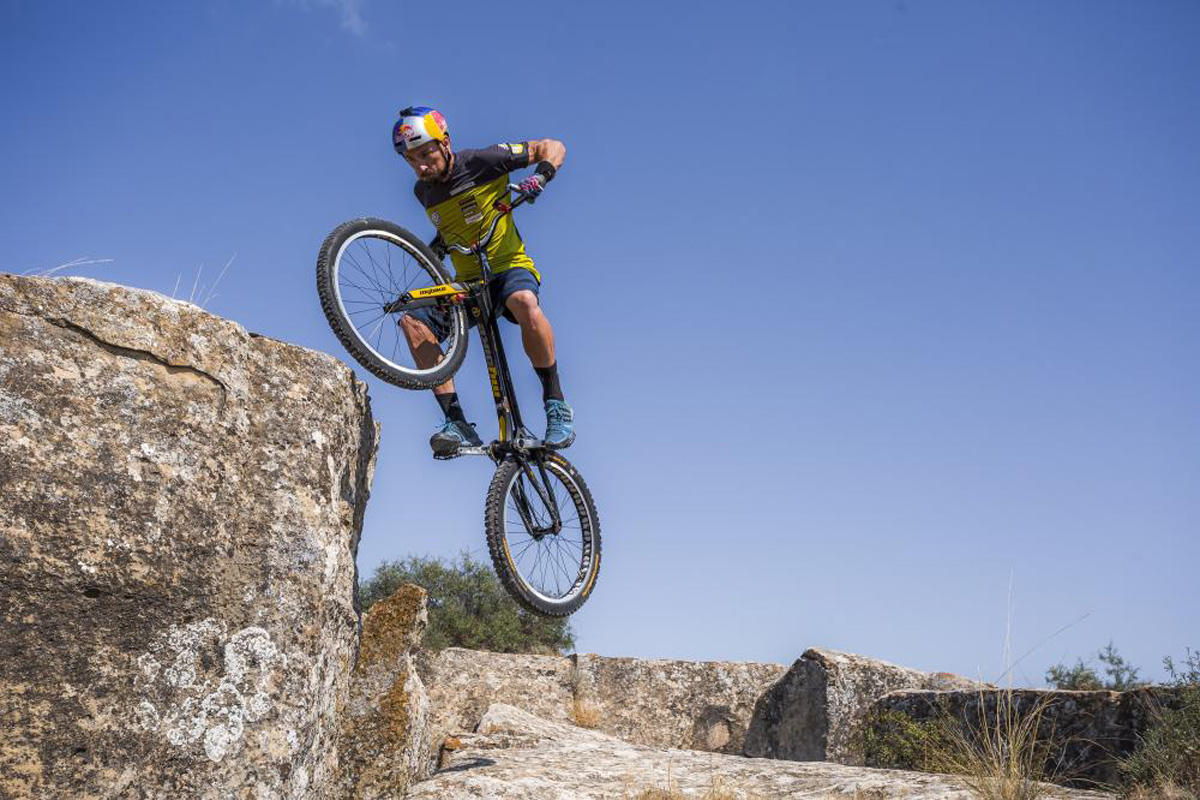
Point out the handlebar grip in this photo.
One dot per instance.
(521, 196)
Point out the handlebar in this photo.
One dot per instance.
(504, 209)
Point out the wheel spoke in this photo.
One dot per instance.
(370, 270)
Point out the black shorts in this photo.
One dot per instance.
(502, 286)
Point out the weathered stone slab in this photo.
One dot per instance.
(1084, 733)
(180, 506)
(386, 742)
(696, 705)
(815, 711)
(662, 703)
(516, 756)
(463, 683)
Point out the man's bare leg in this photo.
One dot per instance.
(537, 336)
(427, 353)
(424, 348)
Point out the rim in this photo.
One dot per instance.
(371, 269)
(553, 567)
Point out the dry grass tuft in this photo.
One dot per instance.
(718, 791)
(1001, 755)
(673, 793)
(586, 714)
(1166, 791)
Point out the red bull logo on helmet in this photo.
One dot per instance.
(439, 121)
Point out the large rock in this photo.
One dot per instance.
(180, 506)
(517, 756)
(815, 711)
(661, 703)
(463, 683)
(386, 742)
(1082, 735)
(697, 705)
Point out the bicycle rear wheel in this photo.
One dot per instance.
(364, 265)
(548, 569)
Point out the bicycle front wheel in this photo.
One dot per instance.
(543, 534)
(365, 265)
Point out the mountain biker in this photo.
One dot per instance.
(458, 189)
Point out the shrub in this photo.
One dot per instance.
(1166, 762)
(468, 607)
(895, 740)
(1122, 675)
(997, 750)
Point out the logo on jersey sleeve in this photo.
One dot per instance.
(437, 218)
(516, 148)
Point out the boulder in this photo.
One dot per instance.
(517, 756)
(815, 711)
(695, 705)
(1083, 734)
(463, 683)
(386, 740)
(661, 703)
(180, 507)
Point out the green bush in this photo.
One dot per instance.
(894, 740)
(468, 607)
(1167, 760)
(1122, 675)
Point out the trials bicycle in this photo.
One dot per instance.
(542, 529)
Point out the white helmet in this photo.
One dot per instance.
(418, 125)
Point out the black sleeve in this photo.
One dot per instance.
(501, 159)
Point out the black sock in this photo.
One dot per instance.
(549, 377)
(450, 406)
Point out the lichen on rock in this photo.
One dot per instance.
(180, 506)
(386, 742)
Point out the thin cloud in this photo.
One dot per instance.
(350, 12)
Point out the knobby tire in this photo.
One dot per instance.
(506, 563)
(348, 333)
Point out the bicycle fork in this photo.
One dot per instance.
(520, 443)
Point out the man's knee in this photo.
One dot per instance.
(415, 330)
(522, 303)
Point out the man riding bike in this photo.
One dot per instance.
(458, 190)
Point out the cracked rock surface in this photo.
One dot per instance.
(180, 505)
(386, 741)
(815, 711)
(517, 756)
(698, 705)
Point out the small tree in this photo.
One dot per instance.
(1121, 674)
(1080, 677)
(1166, 763)
(468, 607)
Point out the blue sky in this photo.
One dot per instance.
(868, 310)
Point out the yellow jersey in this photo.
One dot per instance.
(462, 208)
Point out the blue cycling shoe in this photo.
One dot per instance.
(560, 425)
(453, 435)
